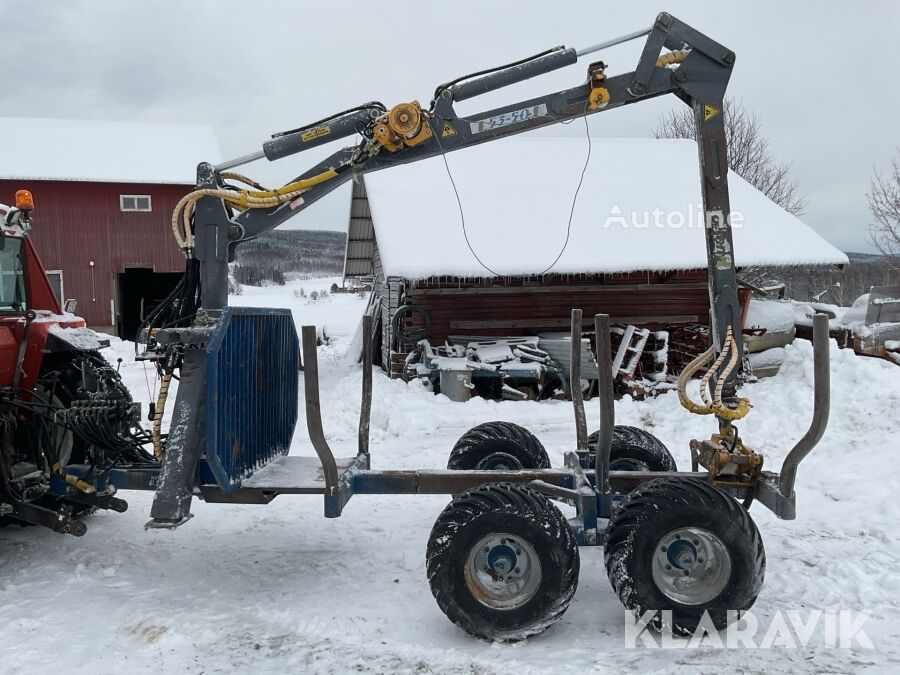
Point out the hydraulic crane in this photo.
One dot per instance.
(211, 222)
(502, 559)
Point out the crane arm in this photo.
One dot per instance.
(218, 216)
(676, 59)
(408, 133)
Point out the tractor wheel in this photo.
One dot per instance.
(634, 449)
(498, 446)
(502, 562)
(70, 448)
(683, 545)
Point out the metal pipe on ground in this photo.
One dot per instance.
(821, 406)
(314, 410)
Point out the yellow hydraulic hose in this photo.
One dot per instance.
(669, 58)
(158, 416)
(715, 407)
(239, 199)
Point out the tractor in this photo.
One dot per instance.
(61, 402)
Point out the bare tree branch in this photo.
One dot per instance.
(748, 153)
(884, 204)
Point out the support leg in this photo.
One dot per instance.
(187, 435)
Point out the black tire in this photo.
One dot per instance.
(498, 446)
(508, 515)
(63, 395)
(674, 511)
(634, 449)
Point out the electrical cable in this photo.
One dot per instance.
(587, 160)
(565, 245)
(462, 215)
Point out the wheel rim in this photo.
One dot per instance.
(61, 437)
(499, 461)
(503, 571)
(691, 566)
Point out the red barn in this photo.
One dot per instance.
(104, 194)
(504, 248)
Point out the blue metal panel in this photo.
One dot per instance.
(252, 380)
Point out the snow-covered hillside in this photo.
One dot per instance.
(280, 589)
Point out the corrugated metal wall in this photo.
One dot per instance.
(79, 222)
(360, 235)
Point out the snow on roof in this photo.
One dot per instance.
(638, 209)
(115, 152)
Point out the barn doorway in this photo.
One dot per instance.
(140, 291)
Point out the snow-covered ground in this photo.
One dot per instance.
(280, 589)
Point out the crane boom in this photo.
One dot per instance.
(217, 217)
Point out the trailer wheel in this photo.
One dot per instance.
(498, 446)
(683, 545)
(634, 449)
(502, 562)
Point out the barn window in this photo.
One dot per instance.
(55, 277)
(134, 203)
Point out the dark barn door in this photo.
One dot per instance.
(140, 291)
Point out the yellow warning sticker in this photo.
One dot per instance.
(448, 130)
(313, 134)
(709, 111)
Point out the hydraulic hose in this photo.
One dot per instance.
(716, 406)
(239, 200)
(158, 452)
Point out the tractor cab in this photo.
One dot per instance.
(16, 222)
(24, 285)
(31, 318)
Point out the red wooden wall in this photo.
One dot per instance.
(521, 306)
(75, 223)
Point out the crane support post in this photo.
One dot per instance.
(723, 296)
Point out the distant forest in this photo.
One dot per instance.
(273, 257)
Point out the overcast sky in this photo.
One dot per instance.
(822, 76)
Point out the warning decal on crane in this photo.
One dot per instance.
(313, 134)
(709, 111)
(448, 130)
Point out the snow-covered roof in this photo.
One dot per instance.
(638, 209)
(115, 152)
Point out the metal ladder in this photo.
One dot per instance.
(628, 356)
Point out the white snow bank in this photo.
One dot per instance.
(856, 313)
(115, 152)
(773, 315)
(767, 362)
(638, 209)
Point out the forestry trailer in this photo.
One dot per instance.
(502, 558)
